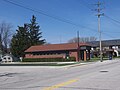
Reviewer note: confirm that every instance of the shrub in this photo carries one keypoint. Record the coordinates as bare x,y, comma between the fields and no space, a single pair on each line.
48,59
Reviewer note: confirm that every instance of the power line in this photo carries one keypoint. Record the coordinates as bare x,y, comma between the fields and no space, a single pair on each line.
112,19
86,4
114,23
51,16
105,16
108,35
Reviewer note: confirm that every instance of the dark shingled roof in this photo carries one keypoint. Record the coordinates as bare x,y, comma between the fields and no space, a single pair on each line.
115,42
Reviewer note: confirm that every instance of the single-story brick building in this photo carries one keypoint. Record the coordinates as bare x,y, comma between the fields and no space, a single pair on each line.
59,51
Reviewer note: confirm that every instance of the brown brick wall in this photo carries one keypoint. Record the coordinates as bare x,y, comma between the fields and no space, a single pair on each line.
44,56
73,54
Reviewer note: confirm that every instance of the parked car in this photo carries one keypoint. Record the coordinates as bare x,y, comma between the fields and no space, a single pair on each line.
7,58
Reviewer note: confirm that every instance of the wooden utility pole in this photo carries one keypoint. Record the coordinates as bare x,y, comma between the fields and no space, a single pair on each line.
98,15
78,49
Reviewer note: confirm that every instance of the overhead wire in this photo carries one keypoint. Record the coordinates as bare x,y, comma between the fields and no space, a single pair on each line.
113,22
112,19
51,16
56,17
108,18
86,4
108,35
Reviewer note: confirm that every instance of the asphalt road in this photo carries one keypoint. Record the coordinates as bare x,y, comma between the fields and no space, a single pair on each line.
95,76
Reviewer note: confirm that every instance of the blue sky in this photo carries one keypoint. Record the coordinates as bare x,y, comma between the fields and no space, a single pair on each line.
77,11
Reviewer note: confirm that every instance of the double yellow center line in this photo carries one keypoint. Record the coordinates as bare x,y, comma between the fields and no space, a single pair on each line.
61,85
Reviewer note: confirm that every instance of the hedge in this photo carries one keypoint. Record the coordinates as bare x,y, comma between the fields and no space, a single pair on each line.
48,59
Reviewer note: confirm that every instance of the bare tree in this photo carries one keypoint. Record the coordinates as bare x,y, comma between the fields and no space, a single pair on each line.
5,33
73,40
82,39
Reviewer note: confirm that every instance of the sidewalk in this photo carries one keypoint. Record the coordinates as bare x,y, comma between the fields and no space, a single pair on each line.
98,62
52,64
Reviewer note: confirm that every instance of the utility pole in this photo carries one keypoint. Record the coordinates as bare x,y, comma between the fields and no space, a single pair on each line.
98,15
78,52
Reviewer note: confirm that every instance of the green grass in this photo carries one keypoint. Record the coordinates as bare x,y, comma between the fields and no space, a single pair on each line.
96,59
117,57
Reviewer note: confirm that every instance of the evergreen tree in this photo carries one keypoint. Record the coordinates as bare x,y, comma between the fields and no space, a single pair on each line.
20,41
25,37
34,33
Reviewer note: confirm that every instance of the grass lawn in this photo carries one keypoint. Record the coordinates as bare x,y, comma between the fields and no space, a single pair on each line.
97,59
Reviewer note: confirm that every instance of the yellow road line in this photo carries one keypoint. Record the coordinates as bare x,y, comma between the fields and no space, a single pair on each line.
61,85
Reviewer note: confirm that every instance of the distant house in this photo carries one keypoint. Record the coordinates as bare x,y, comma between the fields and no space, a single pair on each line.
59,51
109,47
